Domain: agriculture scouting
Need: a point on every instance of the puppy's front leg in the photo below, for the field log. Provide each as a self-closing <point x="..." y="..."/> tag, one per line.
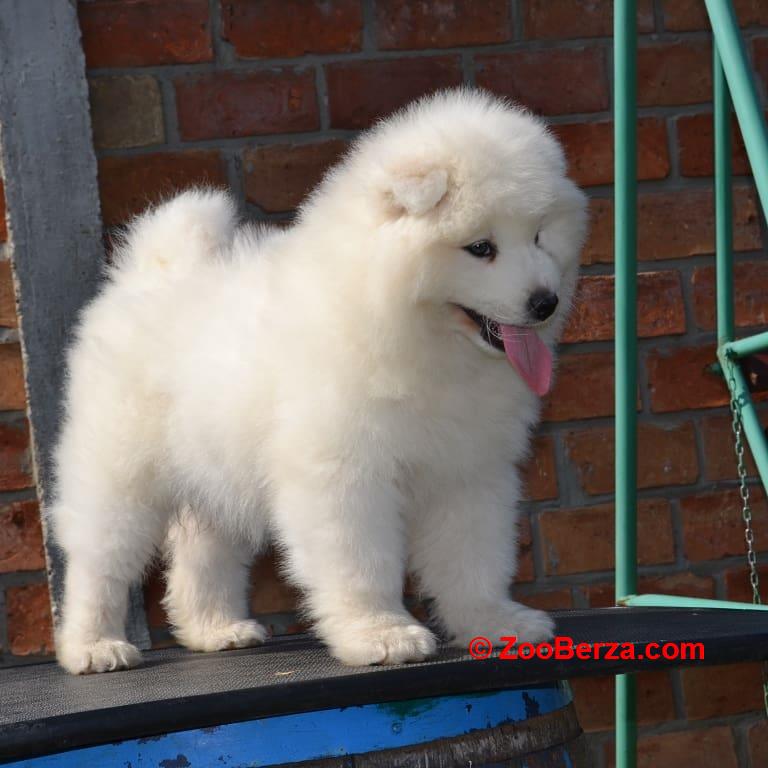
<point x="465" y="556"/>
<point x="343" y="535"/>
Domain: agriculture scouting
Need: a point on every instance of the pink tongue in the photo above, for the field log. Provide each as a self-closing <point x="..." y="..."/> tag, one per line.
<point x="529" y="355"/>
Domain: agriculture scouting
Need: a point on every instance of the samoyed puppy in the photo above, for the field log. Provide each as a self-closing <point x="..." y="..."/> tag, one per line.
<point x="357" y="389"/>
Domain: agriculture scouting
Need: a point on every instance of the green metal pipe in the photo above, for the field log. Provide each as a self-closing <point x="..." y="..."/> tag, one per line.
<point x="625" y="42"/>
<point x="735" y="63"/>
<point x="748" y="346"/>
<point x="723" y="202"/>
<point x="679" y="601"/>
<point x="626" y="721"/>
<point x="625" y="227"/>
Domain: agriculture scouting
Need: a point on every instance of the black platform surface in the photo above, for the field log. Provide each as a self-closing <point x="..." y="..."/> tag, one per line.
<point x="44" y="710"/>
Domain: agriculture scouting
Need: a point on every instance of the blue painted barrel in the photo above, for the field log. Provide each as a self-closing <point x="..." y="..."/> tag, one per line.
<point x="531" y="727"/>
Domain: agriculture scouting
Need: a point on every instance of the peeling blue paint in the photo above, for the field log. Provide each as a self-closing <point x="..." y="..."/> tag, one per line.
<point x="531" y="705"/>
<point x="180" y="761"/>
<point x="145" y="739"/>
<point x="317" y="735"/>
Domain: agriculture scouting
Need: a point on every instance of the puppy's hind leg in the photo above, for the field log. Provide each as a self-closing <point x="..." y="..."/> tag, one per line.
<point x="207" y="593"/>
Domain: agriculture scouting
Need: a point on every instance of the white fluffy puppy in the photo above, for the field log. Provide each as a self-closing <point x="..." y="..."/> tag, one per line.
<point x="356" y="388"/>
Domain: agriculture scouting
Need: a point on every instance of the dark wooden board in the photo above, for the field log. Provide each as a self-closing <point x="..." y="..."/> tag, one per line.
<point x="44" y="710"/>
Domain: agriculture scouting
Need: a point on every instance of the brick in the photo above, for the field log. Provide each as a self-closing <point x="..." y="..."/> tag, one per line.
<point x="142" y="33"/>
<point x="525" y="566"/>
<point x="572" y="18"/>
<point x="737" y="585"/>
<point x="21" y="537"/>
<point x="695" y="137"/>
<point x="758" y="742"/>
<point x="359" y="92"/>
<point x="601" y="595"/>
<point x="12" y="393"/>
<point x="581" y="540"/>
<point x="280" y="29"/>
<point x="30" y="627"/>
<point x="761" y="58"/>
<point x="684" y="583"/>
<point x="702" y="747"/>
<point x="221" y="105"/>
<point x="721" y="691"/>
<point x="689" y="15"/>
<point x="15" y="460"/>
<point x="540" y="471"/>
<point x="599" y="246"/>
<point x="684" y="15"/>
<point x="3" y="226"/>
<point x="674" y="225"/>
<point x="553" y="600"/>
<point x="404" y="24"/>
<point x="660" y="307"/>
<point x="550" y="82"/>
<point x="128" y="184"/>
<point x="674" y="73"/>
<point x="595" y="702"/>
<point x="583" y="388"/>
<point x="750" y="295"/>
<point x="279" y="176"/>
<point x="681" y="584"/>
<point x="270" y="592"/>
<point x="680" y="378"/>
<point x="8" y="318"/>
<point x="126" y="111"/>
<point x="719" y="450"/>
<point x="666" y="456"/>
<point x="589" y="149"/>
<point x="712" y="524"/>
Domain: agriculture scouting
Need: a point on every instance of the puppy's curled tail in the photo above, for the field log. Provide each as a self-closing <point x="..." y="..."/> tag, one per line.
<point x="172" y="238"/>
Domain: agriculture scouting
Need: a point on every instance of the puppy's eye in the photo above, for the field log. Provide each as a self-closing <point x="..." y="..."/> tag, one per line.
<point x="536" y="239"/>
<point x="482" y="249"/>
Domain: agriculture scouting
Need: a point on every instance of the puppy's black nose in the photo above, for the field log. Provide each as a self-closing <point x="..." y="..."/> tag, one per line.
<point x="542" y="304"/>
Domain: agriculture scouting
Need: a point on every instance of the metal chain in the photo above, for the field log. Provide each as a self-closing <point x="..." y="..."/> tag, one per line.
<point x="746" y="514"/>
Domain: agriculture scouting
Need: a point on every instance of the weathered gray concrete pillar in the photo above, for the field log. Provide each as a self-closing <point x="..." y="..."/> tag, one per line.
<point x="55" y="230"/>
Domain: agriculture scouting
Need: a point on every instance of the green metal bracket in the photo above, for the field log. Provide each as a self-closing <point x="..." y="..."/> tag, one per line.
<point x="678" y="601"/>
<point x="749" y="346"/>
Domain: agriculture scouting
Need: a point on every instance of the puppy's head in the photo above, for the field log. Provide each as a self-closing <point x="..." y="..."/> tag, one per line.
<point x="468" y="212"/>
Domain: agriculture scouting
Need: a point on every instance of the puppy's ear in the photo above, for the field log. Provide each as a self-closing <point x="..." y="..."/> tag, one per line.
<point x="413" y="192"/>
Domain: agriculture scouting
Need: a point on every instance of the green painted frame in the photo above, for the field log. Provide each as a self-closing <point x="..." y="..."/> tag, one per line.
<point x="732" y="82"/>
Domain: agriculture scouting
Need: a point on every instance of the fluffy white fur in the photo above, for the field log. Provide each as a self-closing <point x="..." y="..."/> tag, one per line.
<point x="319" y="387"/>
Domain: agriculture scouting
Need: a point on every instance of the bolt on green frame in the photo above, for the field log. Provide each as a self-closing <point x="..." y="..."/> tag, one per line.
<point x="732" y="80"/>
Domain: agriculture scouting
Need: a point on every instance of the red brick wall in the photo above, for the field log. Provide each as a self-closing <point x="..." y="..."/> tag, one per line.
<point x="261" y="95"/>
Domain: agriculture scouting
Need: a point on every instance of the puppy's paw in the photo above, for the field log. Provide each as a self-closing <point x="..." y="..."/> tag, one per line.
<point x="383" y="640"/>
<point x="535" y="626"/>
<point x="238" y="634"/>
<point x="105" y="655"/>
<point x="505" y="619"/>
